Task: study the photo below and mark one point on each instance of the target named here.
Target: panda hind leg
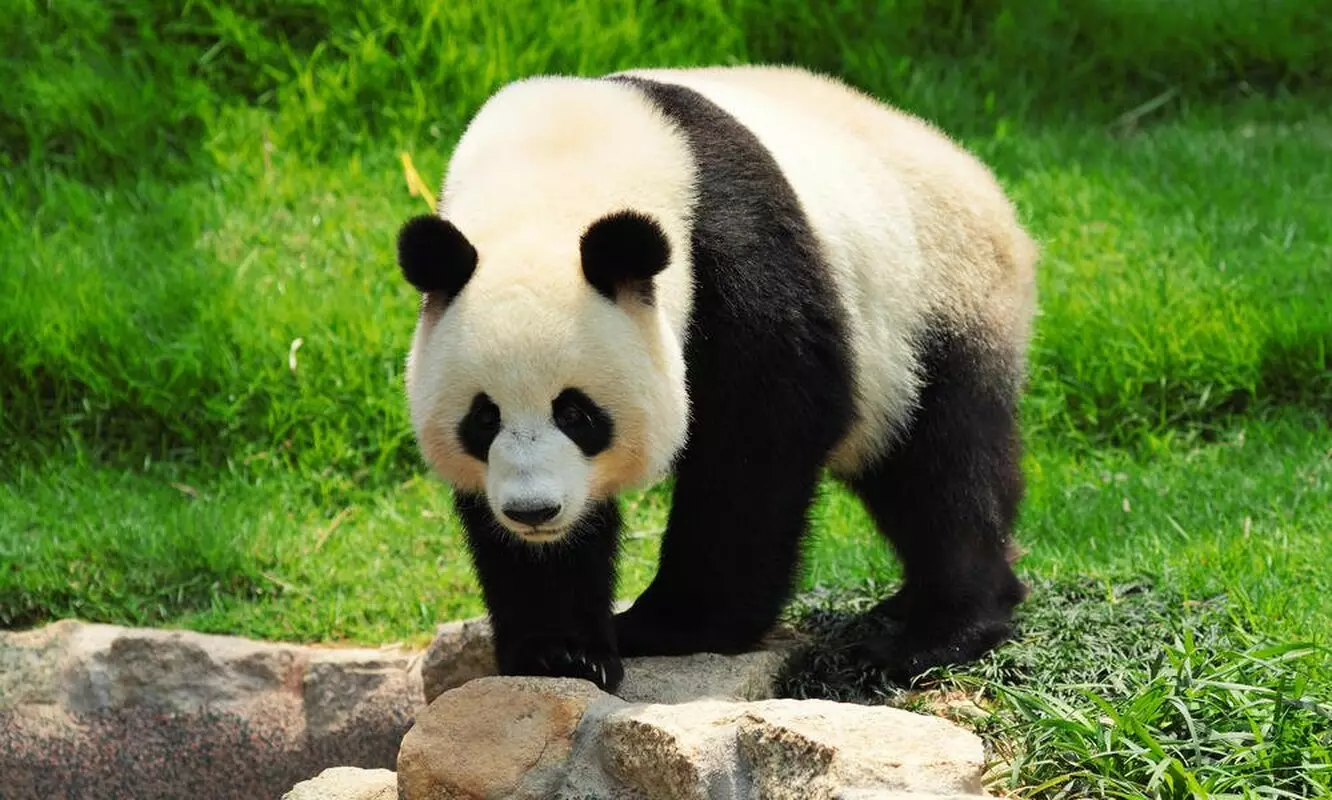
(946, 496)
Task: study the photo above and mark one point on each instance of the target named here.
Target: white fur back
(910, 224)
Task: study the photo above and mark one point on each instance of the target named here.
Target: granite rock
(496, 738)
(105, 711)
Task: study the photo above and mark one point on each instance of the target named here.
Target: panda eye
(583, 421)
(570, 415)
(486, 414)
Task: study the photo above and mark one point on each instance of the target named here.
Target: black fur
(478, 429)
(947, 498)
(583, 421)
(770, 395)
(434, 256)
(550, 605)
(623, 251)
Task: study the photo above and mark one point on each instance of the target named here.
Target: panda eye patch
(583, 421)
(479, 427)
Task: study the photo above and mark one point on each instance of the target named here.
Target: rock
(676, 751)
(816, 748)
(890, 795)
(459, 652)
(702, 676)
(699, 726)
(789, 749)
(347, 783)
(496, 737)
(344, 691)
(103, 711)
(30, 664)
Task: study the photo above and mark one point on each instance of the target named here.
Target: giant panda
(746, 278)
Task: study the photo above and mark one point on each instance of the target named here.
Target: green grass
(202, 334)
(1115, 689)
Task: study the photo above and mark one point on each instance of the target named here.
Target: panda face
(548, 388)
(538, 466)
(544, 411)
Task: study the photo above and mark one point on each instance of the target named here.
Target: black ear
(435, 256)
(624, 251)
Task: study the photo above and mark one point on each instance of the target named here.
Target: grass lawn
(202, 333)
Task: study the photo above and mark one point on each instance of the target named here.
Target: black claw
(568, 662)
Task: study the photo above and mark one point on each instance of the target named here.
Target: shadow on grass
(1078, 631)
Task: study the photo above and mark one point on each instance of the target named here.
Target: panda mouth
(542, 535)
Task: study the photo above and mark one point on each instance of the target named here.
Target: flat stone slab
(102, 711)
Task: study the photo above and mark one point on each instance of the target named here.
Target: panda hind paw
(903, 654)
(643, 631)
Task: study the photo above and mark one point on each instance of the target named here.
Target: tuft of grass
(1113, 689)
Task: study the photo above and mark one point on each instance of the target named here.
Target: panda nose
(531, 514)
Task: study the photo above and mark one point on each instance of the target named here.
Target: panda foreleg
(728, 556)
(947, 496)
(549, 604)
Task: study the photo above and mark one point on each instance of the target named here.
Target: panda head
(543, 371)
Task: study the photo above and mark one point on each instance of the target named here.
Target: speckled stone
(98, 711)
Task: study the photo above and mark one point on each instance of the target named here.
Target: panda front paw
(558, 661)
(605, 670)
